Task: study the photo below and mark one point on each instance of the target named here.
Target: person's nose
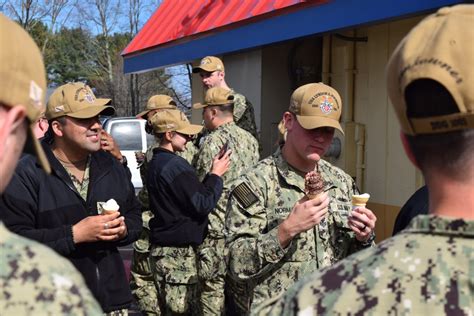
(318, 136)
(95, 123)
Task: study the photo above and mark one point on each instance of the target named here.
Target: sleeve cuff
(369, 242)
(272, 250)
(70, 238)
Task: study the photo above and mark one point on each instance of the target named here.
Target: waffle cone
(108, 212)
(313, 196)
(359, 200)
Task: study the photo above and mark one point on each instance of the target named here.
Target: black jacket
(179, 201)
(416, 205)
(44, 208)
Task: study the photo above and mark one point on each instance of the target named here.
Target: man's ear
(289, 120)
(57, 128)
(213, 111)
(408, 151)
(169, 136)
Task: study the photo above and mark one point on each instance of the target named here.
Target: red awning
(179, 19)
(181, 31)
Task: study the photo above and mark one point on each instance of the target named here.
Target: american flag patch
(244, 195)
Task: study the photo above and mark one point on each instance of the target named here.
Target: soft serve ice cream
(110, 206)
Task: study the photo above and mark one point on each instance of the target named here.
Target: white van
(129, 134)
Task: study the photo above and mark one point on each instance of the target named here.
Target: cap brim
(199, 105)
(204, 68)
(311, 122)
(191, 129)
(142, 114)
(92, 111)
(33, 147)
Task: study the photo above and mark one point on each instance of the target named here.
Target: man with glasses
(63, 210)
(275, 233)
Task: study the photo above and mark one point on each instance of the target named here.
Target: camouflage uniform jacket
(35, 280)
(261, 199)
(244, 114)
(427, 269)
(244, 155)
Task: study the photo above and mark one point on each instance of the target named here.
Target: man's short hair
(227, 109)
(447, 152)
(49, 134)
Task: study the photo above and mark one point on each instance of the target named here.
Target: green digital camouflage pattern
(119, 312)
(428, 269)
(34, 280)
(142, 282)
(255, 255)
(143, 193)
(81, 186)
(174, 270)
(244, 114)
(212, 270)
(244, 155)
(212, 253)
(189, 153)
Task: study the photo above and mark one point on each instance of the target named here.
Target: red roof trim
(178, 20)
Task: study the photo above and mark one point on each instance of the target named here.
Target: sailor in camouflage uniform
(141, 278)
(64, 210)
(36, 280)
(426, 269)
(211, 69)
(33, 278)
(218, 119)
(180, 203)
(275, 233)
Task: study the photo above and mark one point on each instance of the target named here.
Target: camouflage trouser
(212, 269)
(175, 273)
(142, 282)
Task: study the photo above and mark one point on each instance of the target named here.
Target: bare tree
(56, 16)
(26, 12)
(103, 20)
(135, 7)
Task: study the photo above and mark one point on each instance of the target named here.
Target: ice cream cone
(110, 207)
(313, 196)
(360, 200)
(313, 184)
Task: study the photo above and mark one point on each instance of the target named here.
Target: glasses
(188, 137)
